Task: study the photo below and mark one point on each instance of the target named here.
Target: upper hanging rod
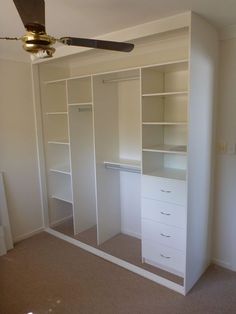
(130, 78)
(122, 167)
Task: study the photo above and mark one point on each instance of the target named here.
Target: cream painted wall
(225, 189)
(18, 156)
(18, 153)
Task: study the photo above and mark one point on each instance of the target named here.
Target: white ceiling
(91, 18)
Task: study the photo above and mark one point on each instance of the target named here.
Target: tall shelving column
(55, 121)
(164, 165)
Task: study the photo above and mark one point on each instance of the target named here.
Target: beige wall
(18, 155)
(224, 232)
(19, 162)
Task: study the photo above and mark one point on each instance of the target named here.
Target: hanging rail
(122, 166)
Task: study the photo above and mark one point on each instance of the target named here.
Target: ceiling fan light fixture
(39, 44)
(42, 54)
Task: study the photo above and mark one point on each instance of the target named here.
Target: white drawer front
(167, 213)
(159, 233)
(162, 189)
(167, 258)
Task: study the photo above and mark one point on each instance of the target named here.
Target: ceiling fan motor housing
(35, 43)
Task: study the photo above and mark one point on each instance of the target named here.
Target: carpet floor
(44, 274)
(122, 246)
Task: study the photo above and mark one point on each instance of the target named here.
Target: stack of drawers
(164, 223)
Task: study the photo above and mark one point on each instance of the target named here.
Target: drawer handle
(165, 235)
(164, 256)
(166, 214)
(165, 191)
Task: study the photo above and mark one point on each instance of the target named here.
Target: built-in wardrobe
(125, 151)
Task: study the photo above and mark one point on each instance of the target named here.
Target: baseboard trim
(28, 235)
(131, 234)
(223, 264)
(135, 269)
(59, 221)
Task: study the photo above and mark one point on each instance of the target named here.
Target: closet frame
(197, 248)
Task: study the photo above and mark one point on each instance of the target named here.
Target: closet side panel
(203, 75)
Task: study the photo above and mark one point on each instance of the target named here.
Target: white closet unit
(126, 146)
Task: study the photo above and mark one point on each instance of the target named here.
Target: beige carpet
(44, 274)
(122, 246)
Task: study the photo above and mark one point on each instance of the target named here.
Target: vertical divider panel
(106, 148)
(70, 162)
(94, 160)
(82, 162)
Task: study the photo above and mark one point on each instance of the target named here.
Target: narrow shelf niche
(58, 158)
(165, 110)
(159, 164)
(54, 97)
(166, 138)
(60, 186)
(79, 91)
(170, 78)
(56, 127)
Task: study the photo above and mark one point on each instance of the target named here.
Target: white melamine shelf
(165, 94)
(170, 173)
(124, 164)
(58, 197)
(59, 142)
(54, 81)
(62, 170)
(56, 113)
(81, 104)
(166, 64)
(170, 149)
(165, 123)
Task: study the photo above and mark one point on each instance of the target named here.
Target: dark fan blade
(94, 43)
(32, 13)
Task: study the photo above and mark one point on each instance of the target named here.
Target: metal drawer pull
(167, 257)
(166, 214)
(165, 191)
(165, 235)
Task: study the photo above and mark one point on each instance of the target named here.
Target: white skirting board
(4, 219)
(28, 235)
(3, 249)
(223, 264)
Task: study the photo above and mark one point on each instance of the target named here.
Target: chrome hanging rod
(120, 167)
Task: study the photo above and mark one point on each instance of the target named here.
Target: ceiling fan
(40, 44)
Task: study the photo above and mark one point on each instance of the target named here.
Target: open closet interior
(118, 142)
